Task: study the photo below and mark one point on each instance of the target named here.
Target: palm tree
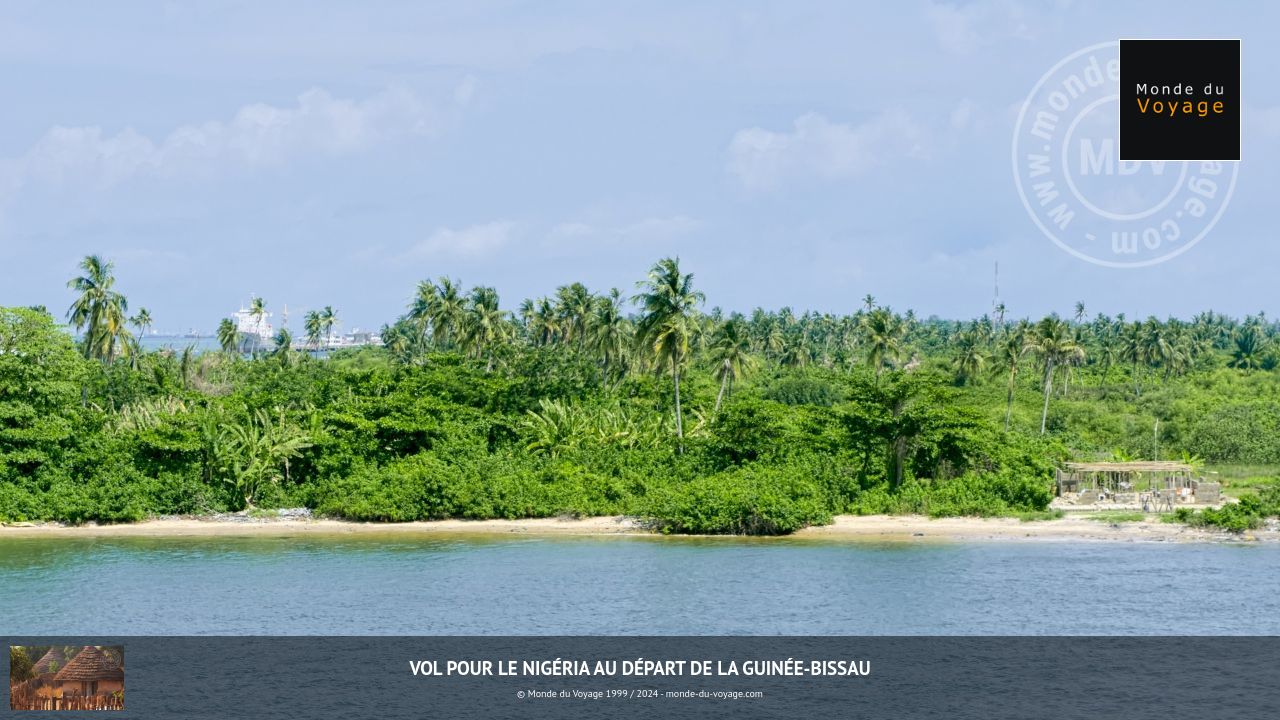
(883, 333)
(574, 304)
(541, 322)
(448, 313)
(228, 335)
(328, 319)
(142, 321)
(258, 311)
(1080, 311)
(313, 325)
(484, 324)
(608, 330)
(100, 311)
(970, 360)
(1251, 348)
(1052, 341)
(283, 350)
(730, 353)
(1134, 349)
(668, 304)
(1011, 350)
(422, 309)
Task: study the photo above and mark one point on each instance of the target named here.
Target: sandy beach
(872, 528)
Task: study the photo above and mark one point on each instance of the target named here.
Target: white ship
(254, 328)
(256, 332)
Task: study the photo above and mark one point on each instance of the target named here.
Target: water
(627, 585)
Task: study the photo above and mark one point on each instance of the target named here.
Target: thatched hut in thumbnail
(45, 669)
(90, 672)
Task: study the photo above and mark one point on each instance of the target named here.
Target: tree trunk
(675, 374)
(1048, 390)
(1008, 412)
(724, 382)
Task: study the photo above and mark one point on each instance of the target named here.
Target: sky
(800, 154)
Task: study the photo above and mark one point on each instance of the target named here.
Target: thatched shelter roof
(52, 661)
(1138, 467)
(90, 664)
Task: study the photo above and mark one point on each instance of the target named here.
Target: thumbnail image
(66, 677)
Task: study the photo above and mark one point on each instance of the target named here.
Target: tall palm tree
(731, 355)
(1052, 341)
(258, 310)
(1011, 350)
(448, 313)
(668, 304)
(574, 305)
(313, 325)
(328, 319)
(608, 331)
(883, 334)
(1134, 349)
(99, 310)
(228, 336)
(485, 324)
(542, 324)
(422, 309)
(142, 321)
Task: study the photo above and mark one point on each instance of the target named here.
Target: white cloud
(476, 241)
(963, 28)
(954, 28)
(817, 147)
(647, 229)
(257, 135)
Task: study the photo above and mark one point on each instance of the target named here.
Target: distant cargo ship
(256, 331)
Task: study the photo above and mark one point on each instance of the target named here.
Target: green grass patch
(1117, 516)
(1037, 515)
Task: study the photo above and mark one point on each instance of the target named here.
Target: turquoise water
(398, 586)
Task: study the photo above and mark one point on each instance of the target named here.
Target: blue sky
(800, 154)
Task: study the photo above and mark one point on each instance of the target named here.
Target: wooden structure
(1159, 483)
(23, 697)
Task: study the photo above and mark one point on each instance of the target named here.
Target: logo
(1180, 100)
(1082, 196)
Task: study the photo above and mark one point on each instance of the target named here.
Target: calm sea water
(499, 586)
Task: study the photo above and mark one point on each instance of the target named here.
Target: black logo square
(1179, 99)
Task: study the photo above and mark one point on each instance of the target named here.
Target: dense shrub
(1247, 514)
(978, 494)
(743, 501)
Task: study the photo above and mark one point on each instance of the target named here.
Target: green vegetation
(588, 403)
(1117, 516)
(1250, 513)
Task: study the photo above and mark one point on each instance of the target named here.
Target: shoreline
(850, 528)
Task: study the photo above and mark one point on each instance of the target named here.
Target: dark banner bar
(689, 677)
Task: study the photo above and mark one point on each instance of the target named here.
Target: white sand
(911, 528)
